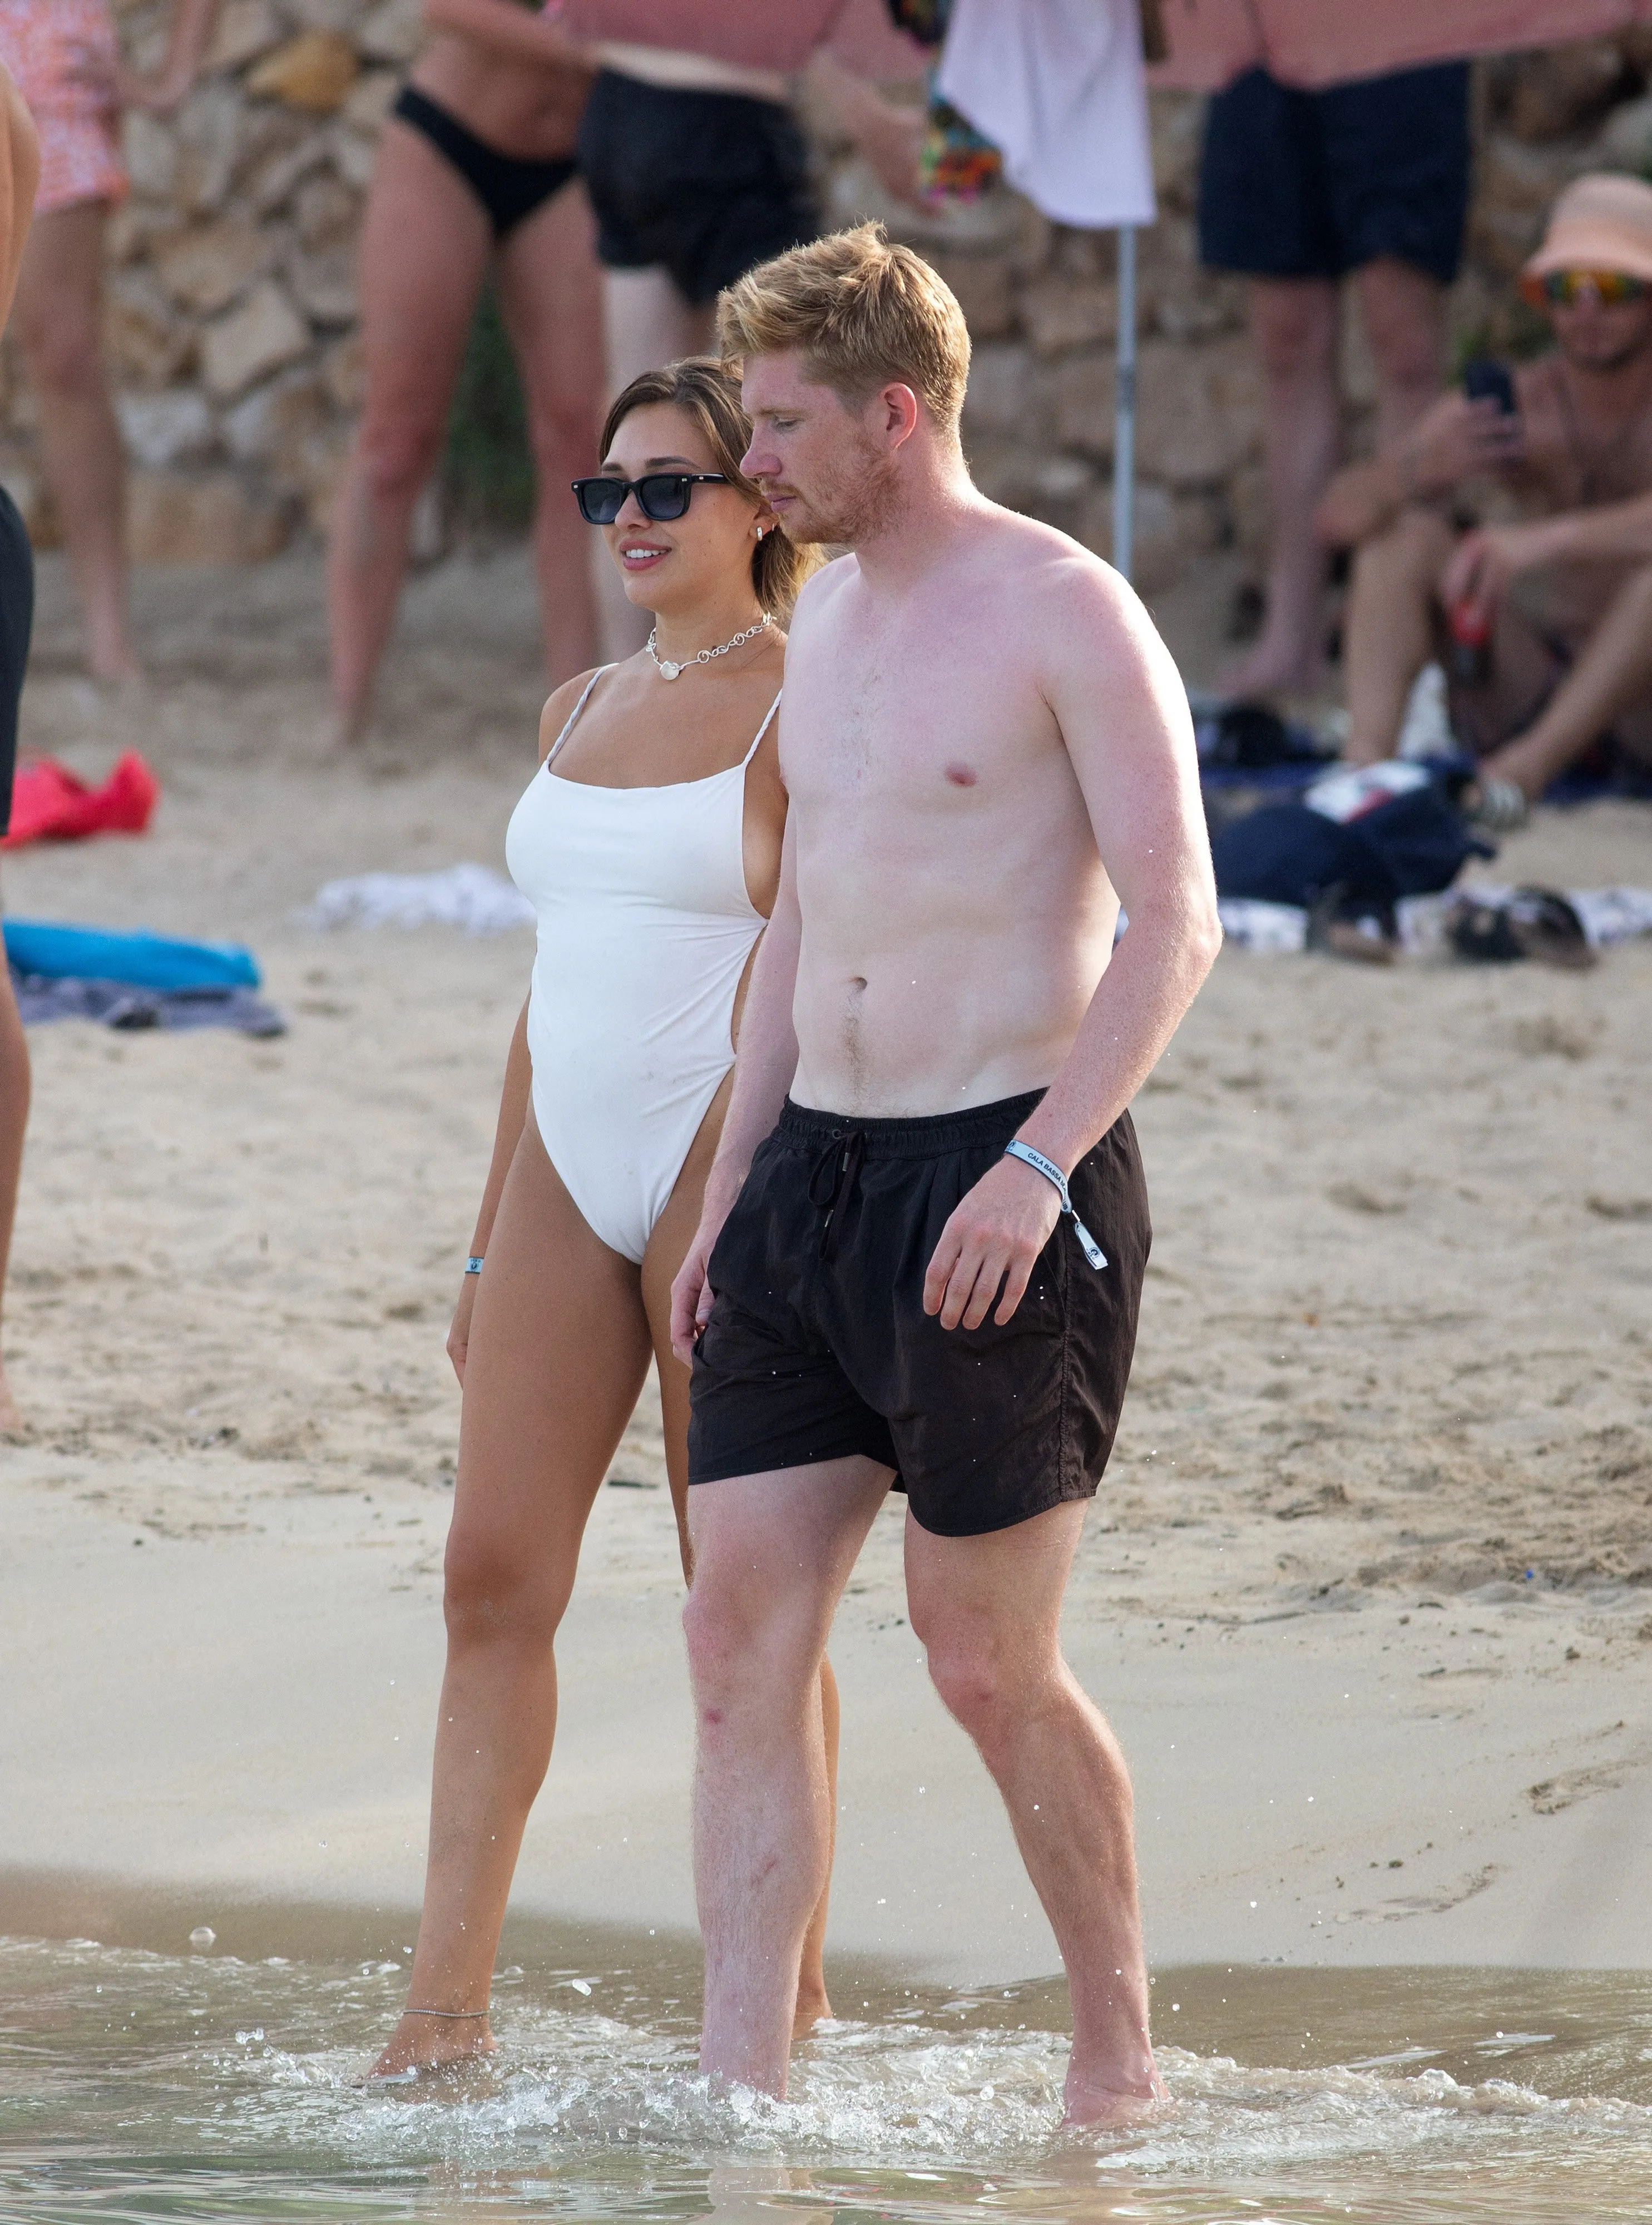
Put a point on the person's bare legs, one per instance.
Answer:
(648, 322)
(550, 294)
(673, 1233)
(772, 1554)
(558, 1350)
(424, 251)
(1389, 628)
(1404, 311)
(1611, 673)
(14, 1119)
(1294, 328)
(988, 1611)
(60, 326)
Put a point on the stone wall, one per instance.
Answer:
(231, 305)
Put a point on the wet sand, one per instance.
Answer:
(1394, 1356)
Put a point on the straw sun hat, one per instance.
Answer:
(1599, 223)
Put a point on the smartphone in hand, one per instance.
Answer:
(1485, 379)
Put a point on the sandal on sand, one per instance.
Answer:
(1496, 806)
(1531, 922)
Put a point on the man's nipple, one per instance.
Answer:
(961, 775)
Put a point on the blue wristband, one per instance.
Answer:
(473, 1264)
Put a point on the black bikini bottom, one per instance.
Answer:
(508, 188)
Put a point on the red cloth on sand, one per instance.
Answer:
(49, 803)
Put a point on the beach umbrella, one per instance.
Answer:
(1315, 43)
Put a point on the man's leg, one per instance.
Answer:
(1294, 325)
(550, 291)
(1404, 311)
(772, 1554)
(1612, 672)
(988, 1609)
(1389, 628)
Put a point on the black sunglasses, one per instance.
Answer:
(660, 495)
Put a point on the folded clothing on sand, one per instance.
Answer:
(51, 804)
(117, 1004)
(51, 949)
(472, 897)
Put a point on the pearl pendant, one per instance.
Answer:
(668, 671)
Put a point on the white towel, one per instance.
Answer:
(472, 897)
(1057, 86)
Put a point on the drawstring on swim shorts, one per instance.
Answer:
(841, 1160)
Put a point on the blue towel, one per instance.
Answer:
(50, 948)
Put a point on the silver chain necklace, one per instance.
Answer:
(667, 670)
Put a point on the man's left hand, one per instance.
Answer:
(1484, 561)
(994, 1236)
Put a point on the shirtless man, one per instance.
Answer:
(987, 747)
(1565, 589)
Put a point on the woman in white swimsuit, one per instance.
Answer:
(649, 843)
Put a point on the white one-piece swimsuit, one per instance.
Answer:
(645, 926)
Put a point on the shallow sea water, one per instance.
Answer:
(137, 2085)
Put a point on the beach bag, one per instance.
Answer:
(1369, 834)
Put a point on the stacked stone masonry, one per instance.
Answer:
(233, 293)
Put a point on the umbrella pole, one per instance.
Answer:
(1124, 411)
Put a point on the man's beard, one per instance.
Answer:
(1610, 358)
(851, 508)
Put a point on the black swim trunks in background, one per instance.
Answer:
(511, 187)
(1296, 184)
(16, 622)
(706, 184)
(818, 1346)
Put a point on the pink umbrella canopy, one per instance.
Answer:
(1313, 42)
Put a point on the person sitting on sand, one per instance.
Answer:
(925, 1227)
(1562, 596)
(19, 175)
(649, 843)
(476, 171)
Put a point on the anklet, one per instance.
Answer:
(462, 2015)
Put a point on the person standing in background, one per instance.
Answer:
(1298, 190)
(66, 59)
(699, 170)
(476, 167)
(20, 166)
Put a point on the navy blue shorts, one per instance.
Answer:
(1312, 185)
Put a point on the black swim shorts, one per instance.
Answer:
(1312, 184)
(818, 1346)
(16, 618)
(705, 184)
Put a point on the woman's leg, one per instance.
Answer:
(14, 1117)
(424, 245)
(550, 291)
(60, 324)
(672, 1235)
(559, 1350)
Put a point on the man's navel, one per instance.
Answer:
(961, 775)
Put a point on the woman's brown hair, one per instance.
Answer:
(706, 391)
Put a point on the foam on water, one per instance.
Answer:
(136, 2085)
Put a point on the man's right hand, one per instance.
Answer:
(690, 1293)
(1458, 440)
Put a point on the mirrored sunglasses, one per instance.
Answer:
(660, 496)
(1559, 289)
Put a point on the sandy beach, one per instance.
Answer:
(1366, 1590)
